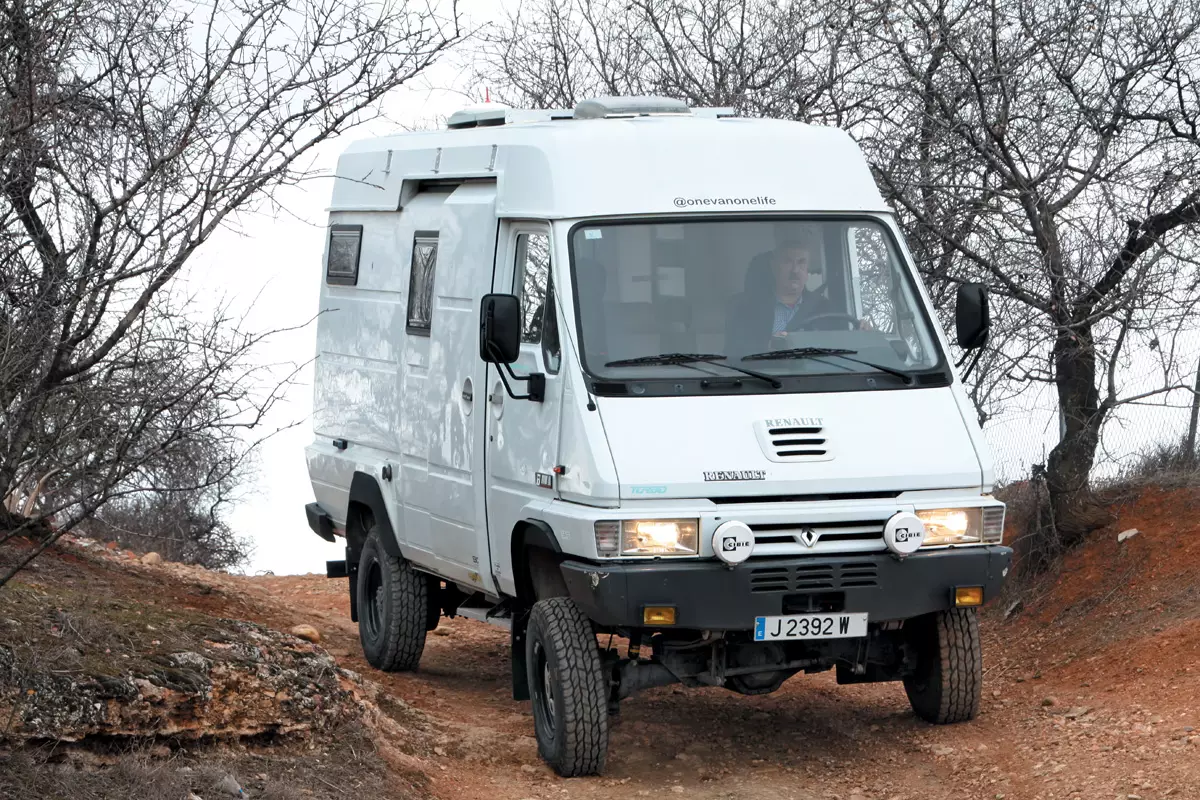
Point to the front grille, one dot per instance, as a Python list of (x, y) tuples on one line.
[(790, 538), (814, 577)]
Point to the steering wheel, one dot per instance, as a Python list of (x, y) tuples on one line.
[(807, 324)]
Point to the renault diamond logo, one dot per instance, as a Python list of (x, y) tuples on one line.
[(809, 537)]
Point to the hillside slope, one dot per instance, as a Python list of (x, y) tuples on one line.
[(119, 679), (1092, 689)]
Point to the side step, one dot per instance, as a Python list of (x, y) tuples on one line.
[(499, 615)]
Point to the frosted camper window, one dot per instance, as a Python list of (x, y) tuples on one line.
[(341, 263), (420, 282)]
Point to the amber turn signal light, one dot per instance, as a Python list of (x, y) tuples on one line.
[(658, 615), (968, 596)]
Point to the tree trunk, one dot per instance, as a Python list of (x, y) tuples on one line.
[(1077, 512), (1189, 444)]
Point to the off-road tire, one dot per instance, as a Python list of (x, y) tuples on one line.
[(948, 681), (563, 664), (392, 602)]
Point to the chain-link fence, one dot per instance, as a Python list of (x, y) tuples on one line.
[(1023, 433)]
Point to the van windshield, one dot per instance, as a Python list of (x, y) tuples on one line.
[(746, 290)]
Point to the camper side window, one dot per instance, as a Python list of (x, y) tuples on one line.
[(341, 261), (420, 282)]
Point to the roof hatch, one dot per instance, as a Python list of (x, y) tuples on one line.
[(487, 115), (604, 107)]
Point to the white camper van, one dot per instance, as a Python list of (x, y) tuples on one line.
[(659, 372)]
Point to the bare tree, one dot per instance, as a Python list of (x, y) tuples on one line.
[(129, 133), (1035, 149), (771, 59), (1047, 148)]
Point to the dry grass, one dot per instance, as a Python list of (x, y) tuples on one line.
[(1162, 466)]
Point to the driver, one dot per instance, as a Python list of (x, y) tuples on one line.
[(790, 266), (777, 302)]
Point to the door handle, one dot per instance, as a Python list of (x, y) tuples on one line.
[(468, 392)]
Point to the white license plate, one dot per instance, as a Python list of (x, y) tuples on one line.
[(810, 626)]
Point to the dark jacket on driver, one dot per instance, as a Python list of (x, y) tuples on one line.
[(754, 314)]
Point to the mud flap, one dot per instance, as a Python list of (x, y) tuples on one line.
[(433, 608), (352, 582), (520, 675)]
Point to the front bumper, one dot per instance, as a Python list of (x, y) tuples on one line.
[(708, 595)]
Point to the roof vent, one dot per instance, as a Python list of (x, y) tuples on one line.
[(477, 116), (603, 107)]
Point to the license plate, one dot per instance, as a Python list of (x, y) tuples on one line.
[(810, 626)]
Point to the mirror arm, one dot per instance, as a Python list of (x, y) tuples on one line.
[(971, 367), (536, 381)]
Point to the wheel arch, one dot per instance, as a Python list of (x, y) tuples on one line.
[(367, 503), (529, 570)]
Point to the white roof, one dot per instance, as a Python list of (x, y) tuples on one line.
[(571, 168)]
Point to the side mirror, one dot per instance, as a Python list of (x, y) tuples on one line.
[(500, 343), (500, 328), (972, 319)]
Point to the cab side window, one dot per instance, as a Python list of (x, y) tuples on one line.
[(534, 286)]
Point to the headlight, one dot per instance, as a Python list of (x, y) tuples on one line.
[(951, 526), (647, 537)]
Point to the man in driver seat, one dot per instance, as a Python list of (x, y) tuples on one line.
[(790, 266), (777, 301)]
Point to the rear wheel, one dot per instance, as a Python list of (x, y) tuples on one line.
[(392, 608), (948, 682), (567, 687)]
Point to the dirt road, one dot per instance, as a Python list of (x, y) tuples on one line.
[(1065, 714)]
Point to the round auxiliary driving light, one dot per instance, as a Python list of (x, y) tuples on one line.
[(733, 542), (904, 533)]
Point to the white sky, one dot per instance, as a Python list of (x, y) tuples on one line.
[(270, 269)]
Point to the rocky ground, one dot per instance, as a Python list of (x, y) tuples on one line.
[(1092, 691)]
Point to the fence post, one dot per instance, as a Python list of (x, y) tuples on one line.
[(1190, 452)]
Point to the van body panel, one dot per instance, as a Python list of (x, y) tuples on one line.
[(591, 475), (454, 429), (898, 440), (644, 165)]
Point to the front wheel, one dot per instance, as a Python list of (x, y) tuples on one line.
[(948, 682), (567, 687)]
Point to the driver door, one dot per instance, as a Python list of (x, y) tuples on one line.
[(522, 435)]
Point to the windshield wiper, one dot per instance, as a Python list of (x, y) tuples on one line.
[(688, 359), (818, 352)]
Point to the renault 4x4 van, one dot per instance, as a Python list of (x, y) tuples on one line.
[(658, 372)]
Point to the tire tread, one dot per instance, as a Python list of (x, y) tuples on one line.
[(585, 698), (952, 685), (404, 628)]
